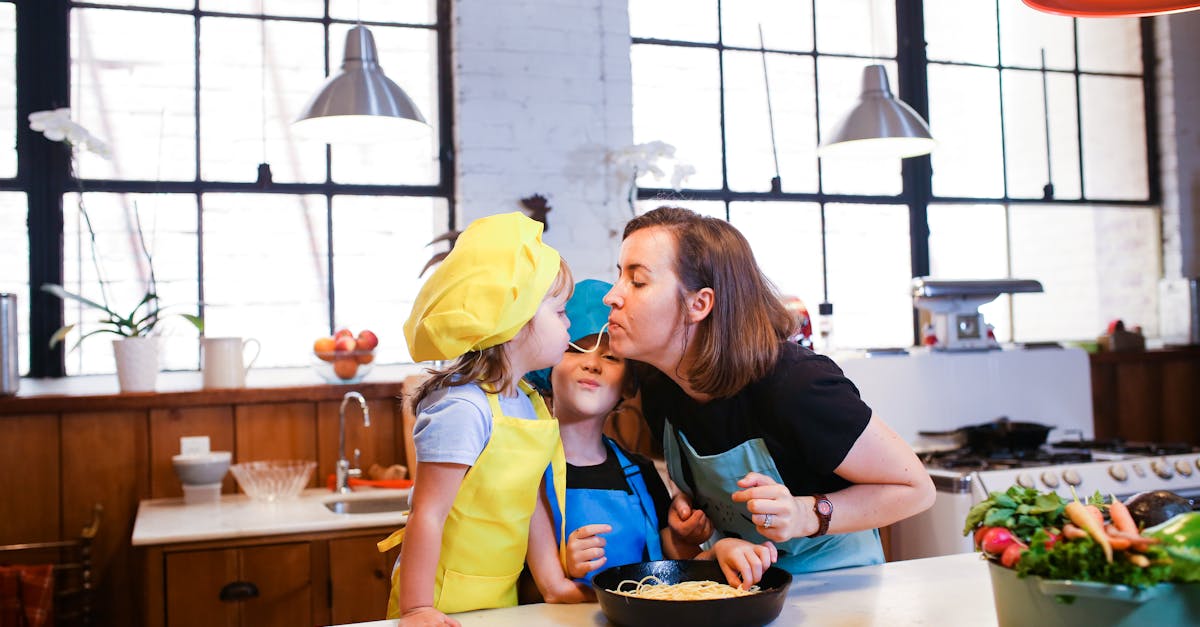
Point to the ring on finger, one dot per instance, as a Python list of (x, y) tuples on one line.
[(767, 520)]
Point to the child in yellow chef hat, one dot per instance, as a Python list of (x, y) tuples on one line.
[(495, 307)]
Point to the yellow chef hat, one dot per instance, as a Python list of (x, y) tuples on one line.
[(486, 289)]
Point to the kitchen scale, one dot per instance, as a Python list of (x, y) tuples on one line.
[(954, 308)]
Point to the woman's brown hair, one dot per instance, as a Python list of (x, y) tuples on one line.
[(488, 366), (738, 342)]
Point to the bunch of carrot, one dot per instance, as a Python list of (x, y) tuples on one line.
[(1120, 534)]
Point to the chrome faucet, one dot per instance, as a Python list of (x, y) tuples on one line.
[(344, 471)]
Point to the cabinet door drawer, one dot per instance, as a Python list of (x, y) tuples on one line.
[(261, 585)]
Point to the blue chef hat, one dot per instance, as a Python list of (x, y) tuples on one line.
[(588, 315)]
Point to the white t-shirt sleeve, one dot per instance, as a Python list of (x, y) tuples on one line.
[(454, 428)]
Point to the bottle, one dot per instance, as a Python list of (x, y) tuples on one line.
[(10, 378), (825, 327)]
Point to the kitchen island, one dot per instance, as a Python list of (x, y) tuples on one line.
[(947, 590)]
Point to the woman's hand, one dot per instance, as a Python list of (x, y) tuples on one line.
[(585, 550), (742, 562), (421, 616), (688, 525), (775, 512)]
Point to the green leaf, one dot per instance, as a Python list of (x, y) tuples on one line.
[(58, 291), (997, 517), (196, 321), (60, 335)]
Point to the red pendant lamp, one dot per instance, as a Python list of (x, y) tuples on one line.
[(1111, 8)]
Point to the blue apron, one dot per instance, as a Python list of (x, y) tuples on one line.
[(714, 480), (634, 536)]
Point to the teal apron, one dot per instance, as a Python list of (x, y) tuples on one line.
[(714, 480), (634, 536)]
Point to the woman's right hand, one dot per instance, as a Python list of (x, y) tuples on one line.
[(422, 616), (585, 550), (743, 562)]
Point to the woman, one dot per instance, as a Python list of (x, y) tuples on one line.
[(769, 439)]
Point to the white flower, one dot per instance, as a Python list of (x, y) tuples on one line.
[(681, 173), (57, 126)]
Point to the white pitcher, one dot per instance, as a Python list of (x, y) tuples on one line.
[(224, 362)]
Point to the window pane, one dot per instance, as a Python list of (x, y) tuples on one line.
[(864, 27), (300, 8), (964, 118), (839, 86), (1025, 32), (786, 238), (747, 129), (266, 272), (8, 91), (409, 57), (380, 245), (1025, 134), (970, 242), (1114, 138), (676, 99), (14, 265), (135, 92), (872, 301), (168, 226), (235, 93), (960, 31), (1096, 264), (683, 20), (407, 12), (786, 25), (1110, 45)]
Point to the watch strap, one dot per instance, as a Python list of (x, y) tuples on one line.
[(824, 514)]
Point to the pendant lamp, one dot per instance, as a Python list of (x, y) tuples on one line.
[(879, 125), (360, 104), (1111, 8)]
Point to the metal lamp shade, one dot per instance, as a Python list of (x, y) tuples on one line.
[(360, 104), (879, 125)]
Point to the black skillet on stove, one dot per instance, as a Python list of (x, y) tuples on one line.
[(1000, 434), (750, 610)]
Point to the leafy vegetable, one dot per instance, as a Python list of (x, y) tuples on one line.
[(1181, 537), (1082, 560), (1025, 511)]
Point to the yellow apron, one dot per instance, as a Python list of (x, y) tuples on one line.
[(486, 533)]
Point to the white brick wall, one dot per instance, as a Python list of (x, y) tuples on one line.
[(542, 91)]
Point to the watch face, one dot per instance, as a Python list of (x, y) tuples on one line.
[(825, 507)]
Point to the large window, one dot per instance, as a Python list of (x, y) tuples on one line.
[(192, 96), (853, 233)]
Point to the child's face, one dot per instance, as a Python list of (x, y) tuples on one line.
[(588, 384), (543, 340)]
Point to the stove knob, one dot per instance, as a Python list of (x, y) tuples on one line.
[(1161, 469), (1138, 470), (1117, 471), (1183, 467), (1050, 479), (1024, 480), (1072, 477)]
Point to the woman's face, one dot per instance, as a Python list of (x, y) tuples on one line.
[(587, 385), (646, 323)]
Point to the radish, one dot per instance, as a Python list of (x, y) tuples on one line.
[(996, 540)]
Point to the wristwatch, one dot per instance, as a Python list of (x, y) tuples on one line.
[(823, 508)]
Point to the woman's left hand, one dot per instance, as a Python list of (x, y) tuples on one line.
[(775, 512)]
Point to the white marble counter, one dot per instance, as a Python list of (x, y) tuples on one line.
[(170, 521), (948, 590)]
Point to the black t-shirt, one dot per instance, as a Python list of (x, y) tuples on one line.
[(608, 475), (805, 410)]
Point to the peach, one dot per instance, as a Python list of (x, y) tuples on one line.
[(365, 358), (324, 347), (345, 367)]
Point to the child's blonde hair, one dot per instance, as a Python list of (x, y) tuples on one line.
[(490, 365)]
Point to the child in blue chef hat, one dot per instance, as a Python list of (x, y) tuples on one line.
[(617, 506)]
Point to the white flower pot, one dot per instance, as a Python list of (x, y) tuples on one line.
[(137, 363)]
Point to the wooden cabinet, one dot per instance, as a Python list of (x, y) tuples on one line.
[(307, 579)]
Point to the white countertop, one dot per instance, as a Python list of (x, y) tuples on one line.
[(948, 590), (170, 521)]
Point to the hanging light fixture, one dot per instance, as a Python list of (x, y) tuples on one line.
[(360, 104), (1111, 8), (879, 125)]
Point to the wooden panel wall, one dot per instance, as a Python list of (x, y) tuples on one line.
[(1151, 396)]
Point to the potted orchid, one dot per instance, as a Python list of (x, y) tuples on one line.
[(135, 348), (635, 160)]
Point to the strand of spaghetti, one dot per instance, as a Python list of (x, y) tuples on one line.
[(651, 587)]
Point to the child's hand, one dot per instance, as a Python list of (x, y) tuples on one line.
[(421, 616), (585, 550), (567, 591), (742, 562), (688, 525)]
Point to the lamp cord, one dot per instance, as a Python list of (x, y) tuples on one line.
[(1048, 190), (262, 89), (776, 183)]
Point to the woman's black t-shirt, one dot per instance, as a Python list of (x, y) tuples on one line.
[(805, 410), (608, 475)]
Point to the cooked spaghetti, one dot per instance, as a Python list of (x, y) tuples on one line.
[(651, 587)]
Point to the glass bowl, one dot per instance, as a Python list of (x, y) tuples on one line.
[(273, 480), (344, 366)]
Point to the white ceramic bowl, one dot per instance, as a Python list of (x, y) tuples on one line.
[(203, 468), (273, 480)]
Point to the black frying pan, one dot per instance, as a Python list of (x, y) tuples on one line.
[(999, 434), (752, 610)]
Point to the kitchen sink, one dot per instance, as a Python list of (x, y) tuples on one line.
[(368, 506)]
